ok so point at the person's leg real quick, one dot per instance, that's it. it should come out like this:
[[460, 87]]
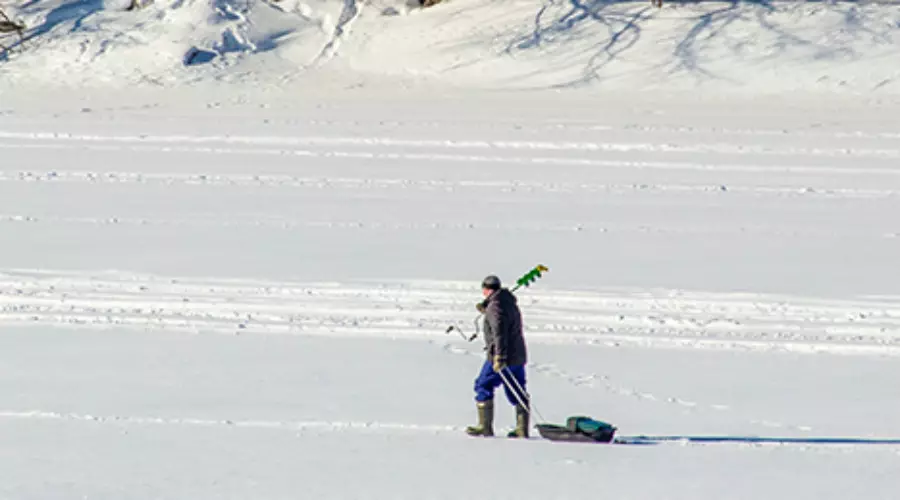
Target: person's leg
[[517, 394], [485, 384]]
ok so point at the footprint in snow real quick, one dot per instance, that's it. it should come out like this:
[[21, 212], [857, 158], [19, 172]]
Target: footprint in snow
[[682, 402]]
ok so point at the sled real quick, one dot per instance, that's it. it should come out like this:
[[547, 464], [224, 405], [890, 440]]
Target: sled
[[578, 429]]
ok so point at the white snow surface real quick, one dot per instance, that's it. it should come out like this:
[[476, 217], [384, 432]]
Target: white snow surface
[[233, 278], [744, 47], [247, 297]]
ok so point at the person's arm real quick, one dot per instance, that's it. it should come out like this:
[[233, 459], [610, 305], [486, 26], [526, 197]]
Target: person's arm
[[494, 318]]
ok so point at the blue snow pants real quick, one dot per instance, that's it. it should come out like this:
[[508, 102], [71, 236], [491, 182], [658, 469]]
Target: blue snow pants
[[488, 380]]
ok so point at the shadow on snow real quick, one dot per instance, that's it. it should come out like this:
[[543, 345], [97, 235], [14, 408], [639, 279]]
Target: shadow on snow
[[615, 26], [759, 440]]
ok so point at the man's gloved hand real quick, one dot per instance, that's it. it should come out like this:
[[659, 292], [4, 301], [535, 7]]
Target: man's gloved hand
[[481, 307], [499, 364]]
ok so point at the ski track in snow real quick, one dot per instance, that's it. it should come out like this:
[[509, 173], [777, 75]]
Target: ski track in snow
[[296, 426], [298, 182], [301, 428], [799, 173], [85, 140], [360, 225], [663, 318]]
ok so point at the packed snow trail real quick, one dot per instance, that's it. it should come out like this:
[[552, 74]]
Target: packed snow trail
[[661, 318]]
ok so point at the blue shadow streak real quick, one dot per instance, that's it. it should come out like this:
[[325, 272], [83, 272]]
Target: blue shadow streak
[[759, 439]]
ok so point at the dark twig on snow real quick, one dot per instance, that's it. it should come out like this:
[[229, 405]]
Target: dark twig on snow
[[138, 4], [7, 25]]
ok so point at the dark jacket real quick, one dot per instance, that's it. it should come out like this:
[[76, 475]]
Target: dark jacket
[[503, 328]]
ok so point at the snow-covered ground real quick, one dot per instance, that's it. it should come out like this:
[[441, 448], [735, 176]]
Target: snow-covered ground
[[233, 278], [248, 299]]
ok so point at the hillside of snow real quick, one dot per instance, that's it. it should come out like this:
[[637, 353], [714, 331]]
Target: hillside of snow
[[749, 47]]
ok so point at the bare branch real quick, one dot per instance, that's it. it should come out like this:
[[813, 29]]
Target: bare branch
[[7, 25]]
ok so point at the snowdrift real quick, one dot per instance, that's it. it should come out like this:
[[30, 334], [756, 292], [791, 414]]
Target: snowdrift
[[520, 44]]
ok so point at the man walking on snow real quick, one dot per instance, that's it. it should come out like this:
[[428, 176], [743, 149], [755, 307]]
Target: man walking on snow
[[506, 358]]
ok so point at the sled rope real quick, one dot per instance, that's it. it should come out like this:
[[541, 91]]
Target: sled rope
[[519, 392]]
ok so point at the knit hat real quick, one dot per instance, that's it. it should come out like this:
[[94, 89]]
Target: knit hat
[[491, 283]]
